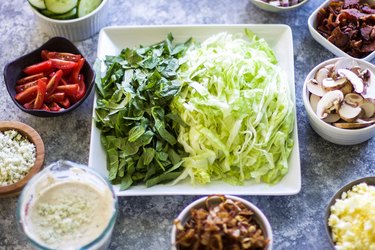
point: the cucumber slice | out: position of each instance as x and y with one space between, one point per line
60 6
47 13
69 15
37 4
87 6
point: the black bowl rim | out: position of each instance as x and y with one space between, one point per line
44 113
369 180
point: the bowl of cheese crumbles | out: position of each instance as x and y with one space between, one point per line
350 215
21 156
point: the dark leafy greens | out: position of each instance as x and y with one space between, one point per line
133 114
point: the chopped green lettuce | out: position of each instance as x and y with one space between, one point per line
237 104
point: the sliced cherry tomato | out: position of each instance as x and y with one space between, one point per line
63 81
29 105
56 97
65 103
70 89
64 56
82 87
22 87
38 68
61 64
67 72
44 54
39 99
54 107
31 78
27 95
45 107
76 70
53 82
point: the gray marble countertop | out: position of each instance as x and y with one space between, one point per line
145 222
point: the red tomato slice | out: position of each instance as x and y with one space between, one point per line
82 88
29 78
56 97
70 89
39 99
53 82
38 68
27 95
45 107
54 107
22 87
64 56
65 103
29 105
61 64
44 54
76 70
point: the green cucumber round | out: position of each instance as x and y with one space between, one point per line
37 4
60 6
87 6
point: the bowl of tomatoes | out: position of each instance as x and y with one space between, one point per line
50 81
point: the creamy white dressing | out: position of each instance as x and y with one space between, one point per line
69 214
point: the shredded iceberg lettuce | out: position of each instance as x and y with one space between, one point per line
237 104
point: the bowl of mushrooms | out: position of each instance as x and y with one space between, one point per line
339 98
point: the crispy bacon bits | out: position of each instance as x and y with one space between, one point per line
226 224
350 25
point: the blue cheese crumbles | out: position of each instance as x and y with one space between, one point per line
352 218
17 157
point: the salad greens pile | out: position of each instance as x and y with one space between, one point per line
238 106
137 127
220 109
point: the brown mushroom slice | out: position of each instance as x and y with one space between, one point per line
353 78
350 125
345 63
314 99
353 99
331 118
314 88
331 84
368 109
322 74
330 101
349 113
347 89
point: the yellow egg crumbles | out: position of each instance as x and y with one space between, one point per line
352 219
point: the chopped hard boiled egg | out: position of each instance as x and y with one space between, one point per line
352 218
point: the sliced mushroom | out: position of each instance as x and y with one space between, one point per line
331 84
368 109
314 99
353 99
356 70
347 89
349 125
349 113
322 74
332 118
315 88
330 101
345 63
353 78
370 87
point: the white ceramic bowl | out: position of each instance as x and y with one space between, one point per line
75 29
328 131
272 8
260 218
312 24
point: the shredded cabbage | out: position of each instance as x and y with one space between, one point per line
238 107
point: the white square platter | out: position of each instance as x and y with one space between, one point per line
113 39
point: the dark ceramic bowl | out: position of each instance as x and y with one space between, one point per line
368 180
13 72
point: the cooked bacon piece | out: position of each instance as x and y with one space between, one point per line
350 25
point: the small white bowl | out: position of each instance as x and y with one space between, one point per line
327 131
75 29
272 8
312 24
260 218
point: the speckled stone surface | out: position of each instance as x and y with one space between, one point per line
145 222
